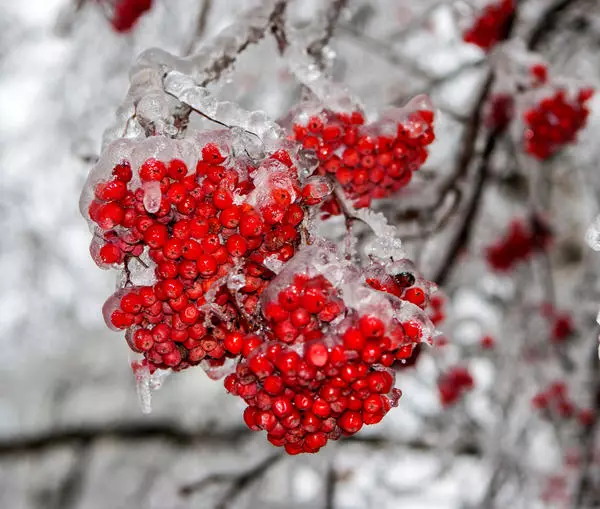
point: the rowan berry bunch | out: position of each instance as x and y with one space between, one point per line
200 228
500 109
234 277
490 26
125 13
402 280
454 384
368 161
554 122
519 244
322 370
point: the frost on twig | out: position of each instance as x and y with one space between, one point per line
386 243
147 109
305 56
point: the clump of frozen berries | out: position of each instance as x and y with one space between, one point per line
217 264
322 370
554 122
401 280
210 232
491 26
368 162
561 324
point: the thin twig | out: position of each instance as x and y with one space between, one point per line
239 481
330 486
132 431
585 483
332 15
71 487
385 51
220 65
201 22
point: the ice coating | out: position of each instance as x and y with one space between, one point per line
162 149
321 257
270 175
308 71
385 248
146 77
409 116
152 196
117 152
145 382
325 259
386 244
135 152
258 124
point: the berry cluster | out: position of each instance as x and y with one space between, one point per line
454 384
555 401
491 26
368 165
220 269
554 122
520 242
125 13
199 229
500 109
322 371
399 280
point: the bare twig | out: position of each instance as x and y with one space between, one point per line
70 489
278 29
547 23
586 487
461 240
332 15
131 432
238 481
385 51
330 485
220 65
201 21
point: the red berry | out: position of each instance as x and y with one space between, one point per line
152 169
350 422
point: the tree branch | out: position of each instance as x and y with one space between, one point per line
238 481
216 69
315 50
